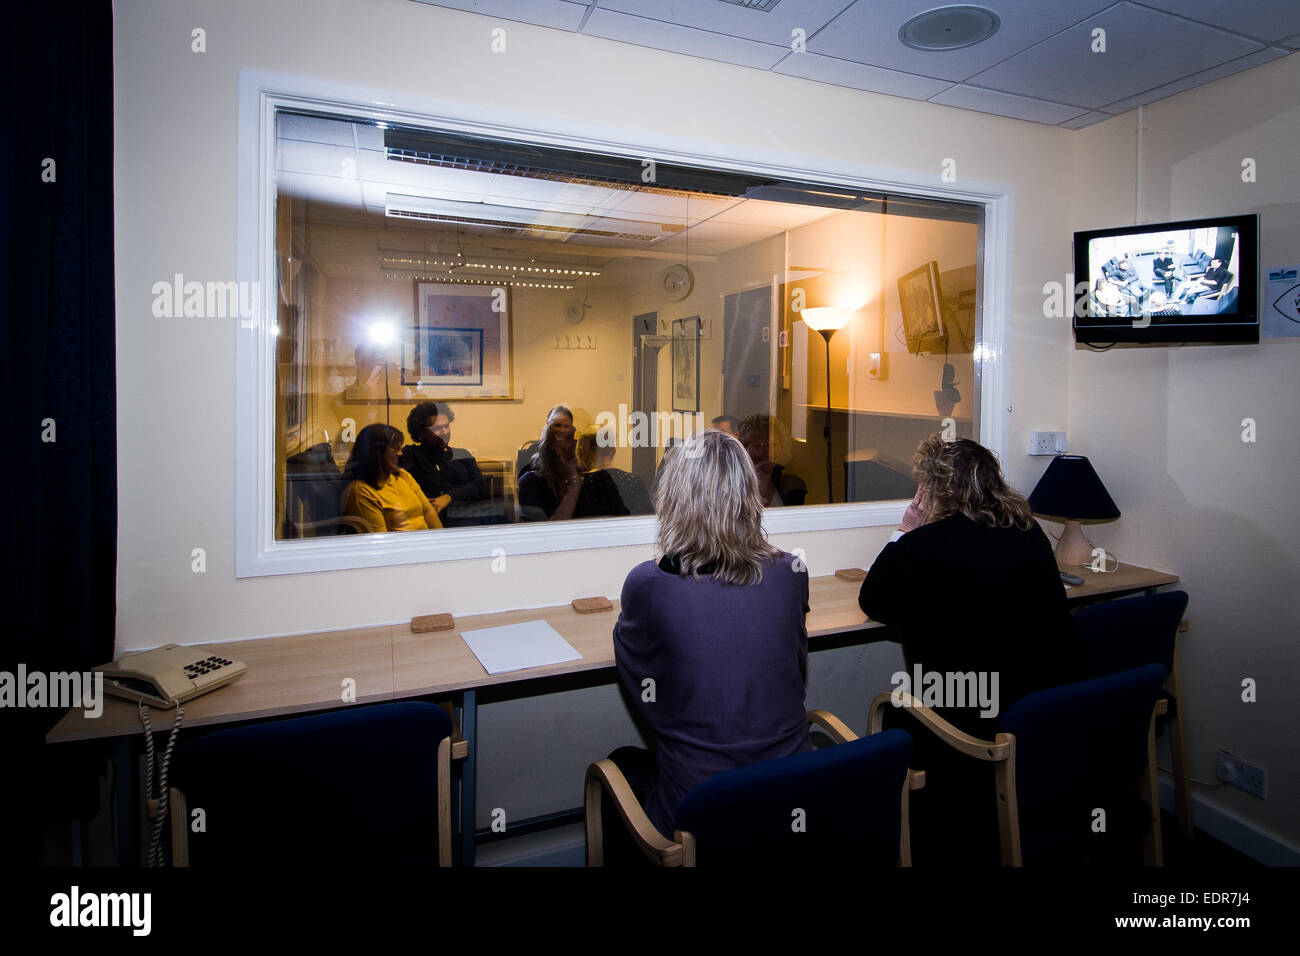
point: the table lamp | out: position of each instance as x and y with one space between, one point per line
1070 491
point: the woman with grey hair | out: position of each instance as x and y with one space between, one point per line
717 624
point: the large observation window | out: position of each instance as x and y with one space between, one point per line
439 294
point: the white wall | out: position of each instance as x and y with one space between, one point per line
176 166
1163 425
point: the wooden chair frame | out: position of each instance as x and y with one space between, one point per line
1001 752
605 776
179 809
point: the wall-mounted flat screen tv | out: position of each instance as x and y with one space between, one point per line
1190 281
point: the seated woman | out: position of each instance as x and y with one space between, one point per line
552 488
718 624
971 583
593 456
776 486
449 477
969 586
379 491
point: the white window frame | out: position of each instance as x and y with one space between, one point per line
262 93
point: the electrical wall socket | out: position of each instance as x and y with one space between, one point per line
1242 775
1047 443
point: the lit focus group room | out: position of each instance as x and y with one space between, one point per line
646 435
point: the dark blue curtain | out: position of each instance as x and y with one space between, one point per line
57 378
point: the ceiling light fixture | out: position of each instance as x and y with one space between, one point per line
461 280
949 28
395 262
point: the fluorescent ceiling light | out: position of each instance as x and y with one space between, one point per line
553 225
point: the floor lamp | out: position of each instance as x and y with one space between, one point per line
827 321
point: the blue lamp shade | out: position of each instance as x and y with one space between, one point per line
1070 489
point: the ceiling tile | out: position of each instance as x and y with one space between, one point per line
1144 49
1006 104
1266 19
330 189
1292 42
711 230
859 76
314 129
757 212
319 159
545 13
774 27
868 33
1195 80
1086 119
677 39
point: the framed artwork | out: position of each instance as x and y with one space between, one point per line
459 347
919 294
686 364
450 357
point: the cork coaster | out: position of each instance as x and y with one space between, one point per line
851 574
591 605
432 622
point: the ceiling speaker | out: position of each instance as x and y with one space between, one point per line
949 28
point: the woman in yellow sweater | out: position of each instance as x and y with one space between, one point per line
381 493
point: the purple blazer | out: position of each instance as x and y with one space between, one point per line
729 664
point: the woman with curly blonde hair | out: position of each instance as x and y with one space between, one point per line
970 581
717 623
963 477
969 585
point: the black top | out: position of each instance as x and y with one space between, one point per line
599 497
1163 266
968 597
1217 276
632 490
452 471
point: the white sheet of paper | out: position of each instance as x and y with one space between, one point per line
512 647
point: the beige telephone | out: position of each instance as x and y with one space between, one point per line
168 675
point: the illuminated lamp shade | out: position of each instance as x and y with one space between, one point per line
825 320
824 317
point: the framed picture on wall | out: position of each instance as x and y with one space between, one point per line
459 347
686 364
444 357
920 295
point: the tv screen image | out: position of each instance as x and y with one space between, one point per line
1190 281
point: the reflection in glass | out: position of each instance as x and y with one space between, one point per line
541 327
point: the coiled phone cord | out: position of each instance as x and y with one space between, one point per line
154 857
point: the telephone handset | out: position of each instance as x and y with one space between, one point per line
168 675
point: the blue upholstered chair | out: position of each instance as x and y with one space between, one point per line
1120 635
1061 755
853 798
369 785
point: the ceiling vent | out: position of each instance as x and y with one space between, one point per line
949 28
762 6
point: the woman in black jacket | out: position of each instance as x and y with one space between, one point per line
970 586
971 583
